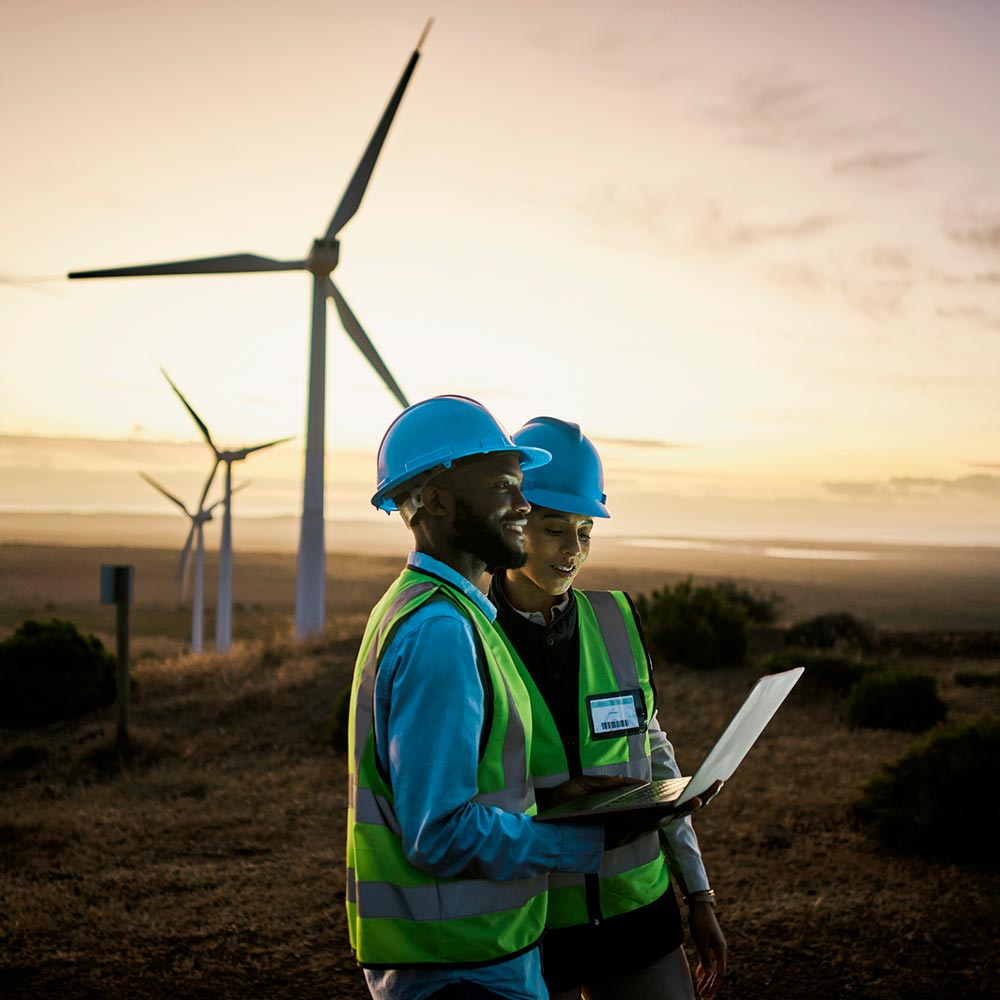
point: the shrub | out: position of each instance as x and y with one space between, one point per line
51 671
886 699
937 800
973 678
697 626
835 630
825 672
761 608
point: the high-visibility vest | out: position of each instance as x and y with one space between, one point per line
397 914
612 660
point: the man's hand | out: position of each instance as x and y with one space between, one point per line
584 785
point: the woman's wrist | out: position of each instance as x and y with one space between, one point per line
700 896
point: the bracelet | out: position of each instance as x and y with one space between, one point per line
700 896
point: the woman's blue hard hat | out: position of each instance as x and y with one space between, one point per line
573 482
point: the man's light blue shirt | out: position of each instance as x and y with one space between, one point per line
428 719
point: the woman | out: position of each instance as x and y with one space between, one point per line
617 934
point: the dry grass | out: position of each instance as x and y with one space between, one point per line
211 863
213 860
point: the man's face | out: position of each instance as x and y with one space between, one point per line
490 509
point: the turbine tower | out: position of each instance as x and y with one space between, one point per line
224 594
310 594
198 521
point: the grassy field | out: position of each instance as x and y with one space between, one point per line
211 864
905 588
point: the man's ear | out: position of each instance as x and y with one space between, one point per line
438 502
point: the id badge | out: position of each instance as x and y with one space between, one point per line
618 713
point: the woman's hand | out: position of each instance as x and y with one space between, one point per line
711 944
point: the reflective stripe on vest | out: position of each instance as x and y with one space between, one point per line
612 659
397 914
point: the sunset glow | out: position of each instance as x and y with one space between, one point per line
754 250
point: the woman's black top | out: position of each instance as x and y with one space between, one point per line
605 946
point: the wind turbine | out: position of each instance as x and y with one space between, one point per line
224 594
198 521
310 593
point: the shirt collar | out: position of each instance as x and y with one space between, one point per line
428 564
538 617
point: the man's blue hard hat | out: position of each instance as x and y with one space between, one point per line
573 482
435 433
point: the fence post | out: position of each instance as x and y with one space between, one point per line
116 588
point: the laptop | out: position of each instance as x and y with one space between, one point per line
671 794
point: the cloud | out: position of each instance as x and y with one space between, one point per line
771 108
719 232
879 282
879 162
633 212
982 235
641 443
611 55
875 283
970 313
665 221
917 487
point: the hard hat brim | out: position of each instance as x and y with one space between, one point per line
531 458
567 503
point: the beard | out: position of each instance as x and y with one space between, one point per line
475 535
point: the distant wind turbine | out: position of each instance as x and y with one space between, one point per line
310 595
224 594
198 519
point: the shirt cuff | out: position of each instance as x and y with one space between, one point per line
582 847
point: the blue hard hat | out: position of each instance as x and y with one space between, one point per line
573 481
437 432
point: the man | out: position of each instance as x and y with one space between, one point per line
446 881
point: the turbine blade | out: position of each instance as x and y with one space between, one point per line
367 348
243 452
237 263
197 419
156 486
351 199
208 485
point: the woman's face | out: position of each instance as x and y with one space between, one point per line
557 545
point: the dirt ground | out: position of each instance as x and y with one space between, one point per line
211 864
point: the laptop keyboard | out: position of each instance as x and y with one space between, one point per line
663 790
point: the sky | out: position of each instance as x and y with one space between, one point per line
753 249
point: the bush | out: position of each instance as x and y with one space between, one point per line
972 678
51 671
886 699
835 630
825 672
697 626
761 608
938 799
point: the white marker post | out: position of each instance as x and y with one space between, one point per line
116 588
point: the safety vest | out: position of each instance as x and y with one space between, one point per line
613 663
401 916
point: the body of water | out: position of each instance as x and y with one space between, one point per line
750 549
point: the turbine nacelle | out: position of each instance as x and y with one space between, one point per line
323 257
